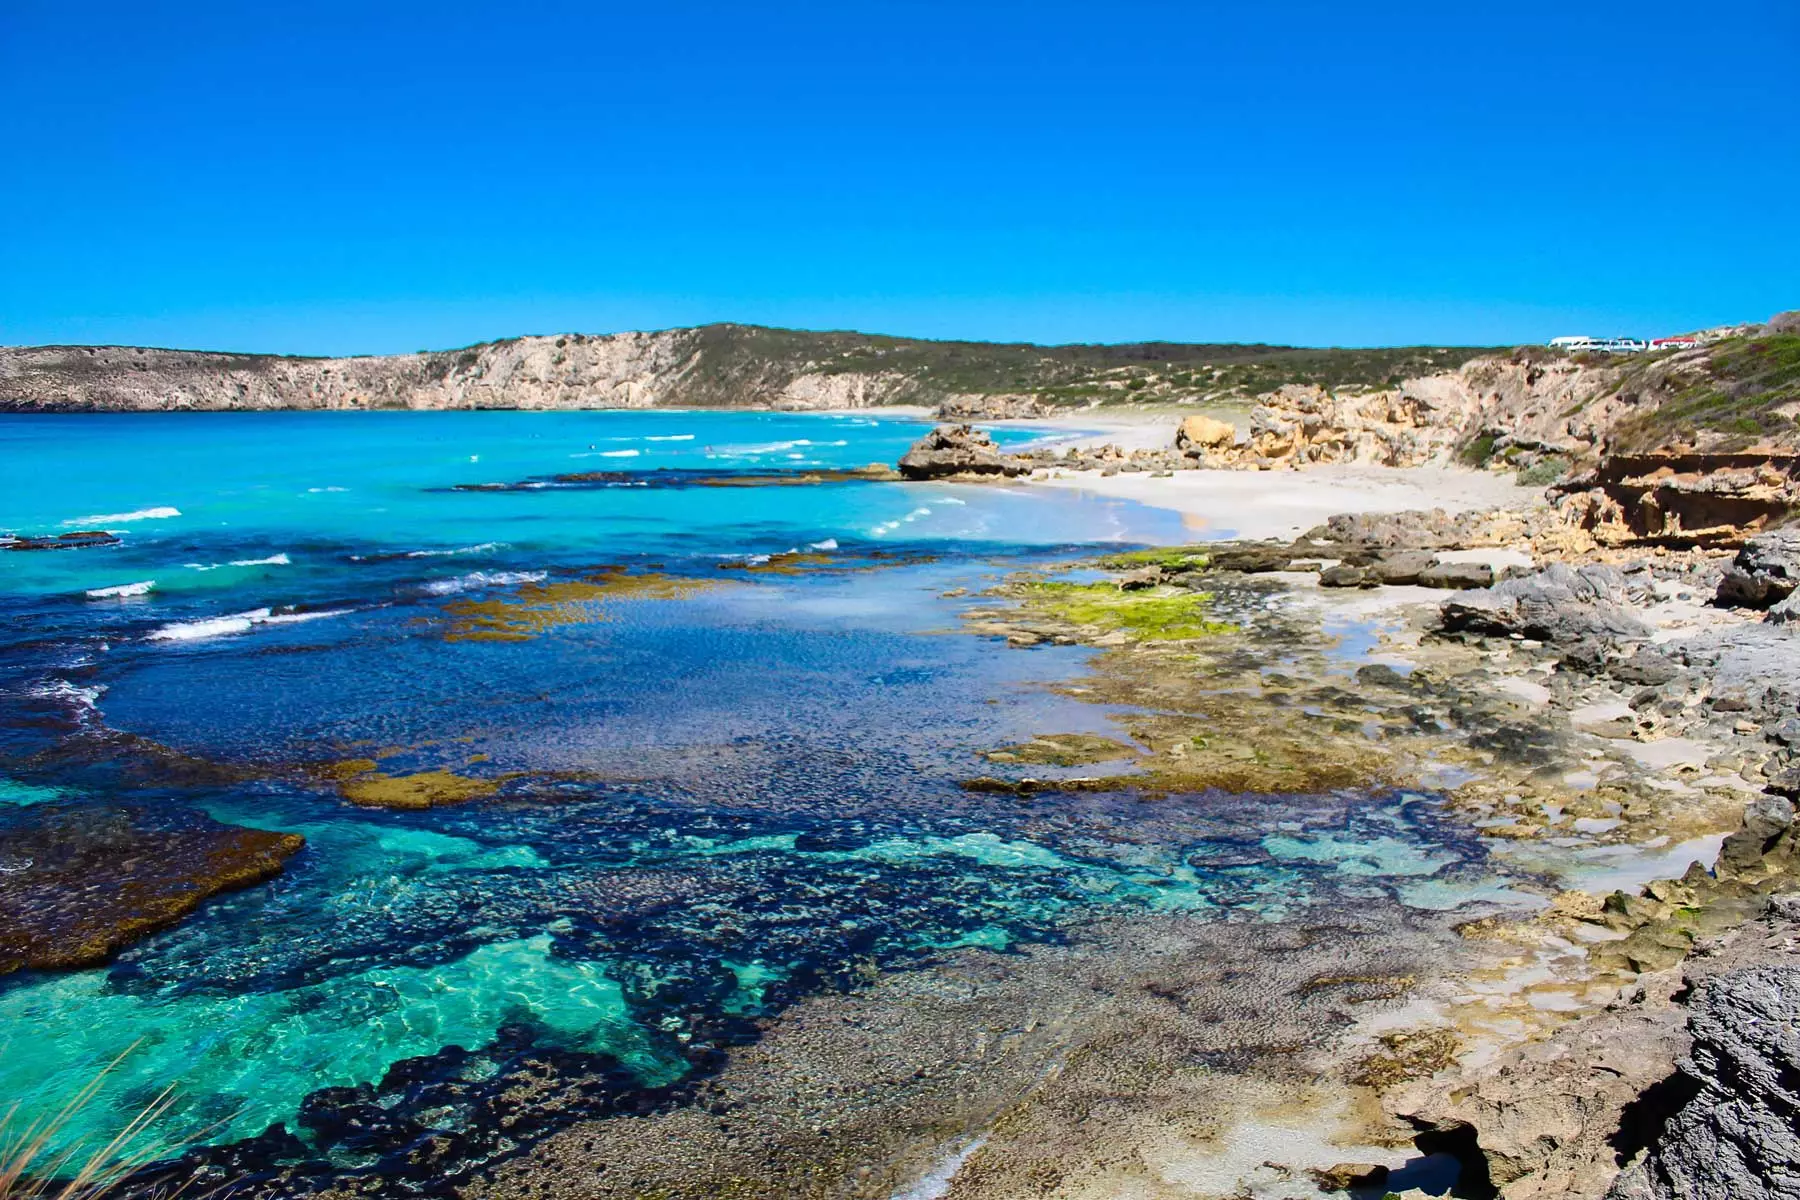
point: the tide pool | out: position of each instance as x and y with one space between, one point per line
713 729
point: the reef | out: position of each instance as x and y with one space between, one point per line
78 884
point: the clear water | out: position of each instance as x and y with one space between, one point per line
715 793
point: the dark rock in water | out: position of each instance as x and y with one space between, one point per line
950 451
1559 604
80 539
1739 1136
1344 576
1765 572
1457 575
77 884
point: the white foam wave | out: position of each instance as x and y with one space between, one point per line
827 544
479 548
327 489
122 589
274 560
143 514
632 453
211 627
87 699
670 437
479 579
887 527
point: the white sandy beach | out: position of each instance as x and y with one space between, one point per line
1259 504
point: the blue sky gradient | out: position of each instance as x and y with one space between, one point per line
337 177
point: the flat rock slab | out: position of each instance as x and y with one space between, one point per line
78 884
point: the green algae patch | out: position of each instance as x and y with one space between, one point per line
1149 615
539 608
1170 558
423 789
1063 750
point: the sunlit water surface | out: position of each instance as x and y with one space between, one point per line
718 790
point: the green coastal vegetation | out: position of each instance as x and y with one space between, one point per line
1743 390
1062 376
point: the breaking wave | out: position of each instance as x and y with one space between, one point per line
143 514
122 589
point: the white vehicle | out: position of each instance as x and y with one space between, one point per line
1574 342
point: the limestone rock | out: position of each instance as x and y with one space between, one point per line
1457 575
979 406
1560 604
1765 572
1739 1136
1200 432
950 451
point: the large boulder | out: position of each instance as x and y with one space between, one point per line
1764 573
1560 604
1739 1134
1200 432
953 451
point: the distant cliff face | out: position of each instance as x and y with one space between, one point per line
714 366
627 370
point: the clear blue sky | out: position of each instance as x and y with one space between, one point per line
326 177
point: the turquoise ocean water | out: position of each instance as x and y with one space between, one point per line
717 789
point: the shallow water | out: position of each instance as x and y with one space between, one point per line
720 783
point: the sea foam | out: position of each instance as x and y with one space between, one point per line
122 589
211 627
481 579
143 514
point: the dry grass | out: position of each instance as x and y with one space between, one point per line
32 1167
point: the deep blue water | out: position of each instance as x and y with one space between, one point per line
719 788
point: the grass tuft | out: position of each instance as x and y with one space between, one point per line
34 1165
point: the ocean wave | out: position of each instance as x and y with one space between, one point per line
670 437
827 544
479 579
211 627
478 548
887 527
632 453
327 489
122 589
85 699
143 514
273 560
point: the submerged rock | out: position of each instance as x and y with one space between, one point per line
79 884
79 539
958 450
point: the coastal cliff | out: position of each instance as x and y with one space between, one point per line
714 366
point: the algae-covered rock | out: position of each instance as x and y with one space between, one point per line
1063 750
422 789
79 884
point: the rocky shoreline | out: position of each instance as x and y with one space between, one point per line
1611 677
